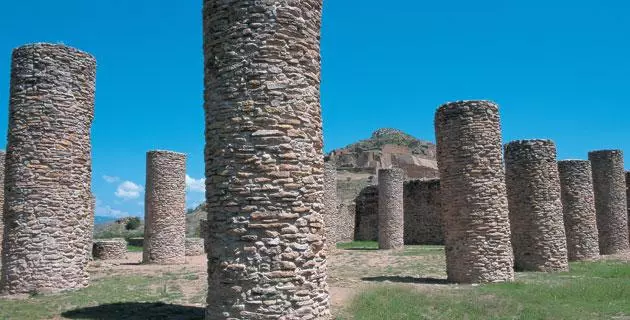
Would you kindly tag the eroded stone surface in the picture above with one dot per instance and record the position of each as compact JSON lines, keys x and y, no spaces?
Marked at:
{"x":2,"y":157}
{"x":165,"y":208}
{"x":423,"y":212}
{"x":264,"y":160}
{"x":194,"y":247}
{"x":578,"y":205}
{"x":390,"y":209}
{"x":331,"y":204}
{"x":111,"y":249}
{"x":536,"y":220}
{"x":48,"y":170}
{"x":609,"y":184}
{"x":472,"y":178}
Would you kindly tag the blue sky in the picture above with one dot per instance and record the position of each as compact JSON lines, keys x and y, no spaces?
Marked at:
{"x":559,"y":70}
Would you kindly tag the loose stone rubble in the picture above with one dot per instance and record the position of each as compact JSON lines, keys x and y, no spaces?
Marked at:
{"x":536,"y":221}
{"x":264,"y":160}
{"x":578,"y":203}
{"x":110,"y":249}
{"x":472,"y":178}
{"x":390,"y":209}
{"x":609,"y":184}
{"x":165,"y":208}
{"x":48,"y":170}
{"x":194,"y":247}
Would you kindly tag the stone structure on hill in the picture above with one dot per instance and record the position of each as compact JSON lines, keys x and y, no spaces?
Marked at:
{"x":536,"y":220}
{"x":48,"y":170}
{"x":165,"y":208}
{"x":390,"y":209}
{"x":264,"y":163}
{"x":578,"y":203}
{"x":472,"y":178}
{"x":609,"y":184}
{"x":111,"y":249}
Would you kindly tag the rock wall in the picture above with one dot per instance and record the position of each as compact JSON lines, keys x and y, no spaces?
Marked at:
{"x":609,"y":184}
{"x":536,"y":220}
{"x":578,"y":203}
{"x":366,"y":221}
{"x":472,"y":186}
{"x":113,"y":249}
{"x":165,"y":208}
{"x":390,"y":209}
{"x":48,"y":170}
{"x":331,"y":204}
{"x":2,"y":157}
{"x":264,"y":160}
{"x":423,"y":215}
{"x":194,"y":247}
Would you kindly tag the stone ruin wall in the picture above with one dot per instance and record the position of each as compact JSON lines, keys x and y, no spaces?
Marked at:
{"x":609,"y":185}
{"x":390,"y":209}
{"x":194,"y":247}
{"x":204,"y":233}
{"x":472,"y":178}
{"x":111,"y":249}
{"x":165,"y":208}
{"x":536,"y":219}
{"x":2,"y":157}
{"x":264,"y":160}
{"x":48,"y":170}
{"x":331,"y":205}
{"x":578,"y":203}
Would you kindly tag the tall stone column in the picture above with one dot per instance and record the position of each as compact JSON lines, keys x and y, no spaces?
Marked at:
{"x":472,"y":189}
{"x":391,"y":219}
{"x":2,"y":157}
{"x":331,"y":203}
{"x":533,"y":188}
{"x":48,"y":170}
{"x":264,"y":160}
{"x":165,"y":208}
{"x":578,"y":205}
{"x":609,"y":184}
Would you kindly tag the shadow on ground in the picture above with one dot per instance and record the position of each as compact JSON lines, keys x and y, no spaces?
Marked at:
{"x":407,"y":280}
{"x":136,"y":310}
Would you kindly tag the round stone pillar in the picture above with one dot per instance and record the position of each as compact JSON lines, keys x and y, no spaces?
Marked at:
{"x":391,"y":218}
{"x":609,"y":184}
{"x":533,"y":187}
{"x":578,"y":203}
{"x":331,"y":205}
{"x":472,"y":189}
{"x":48,"y":170}
{"x":165,"y":208}
{"x":264,"y":160}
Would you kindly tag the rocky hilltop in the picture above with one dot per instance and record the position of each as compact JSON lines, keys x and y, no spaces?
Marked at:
{"x":388,"y":148}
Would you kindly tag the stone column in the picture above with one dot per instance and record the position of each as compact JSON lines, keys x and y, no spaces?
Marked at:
{"x":48,"y":170}
{"x":472,"y":189}
{"x":609,"y":184}
{"x":391,"y":218}
{"x":2,"y":157}
{"x":331,"y":205}
{"x":264,"y":160}
{"x":578,"y":203}
{"x":165,"y":208}
{"x":533,"y":188}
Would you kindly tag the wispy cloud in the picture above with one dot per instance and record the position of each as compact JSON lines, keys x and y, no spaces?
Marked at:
{"x":195,"y":185}
{"x":111,"y":179}
{"x":107,"y":211}
{"x":128,"y":190}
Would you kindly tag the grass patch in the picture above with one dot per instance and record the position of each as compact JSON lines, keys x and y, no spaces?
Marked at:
{"x":358,"y":245}
{"x":131,"y":248}
{"x":591,"y":290}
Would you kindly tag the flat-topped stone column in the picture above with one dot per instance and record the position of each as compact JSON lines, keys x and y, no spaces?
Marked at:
{"x":472,"y":189}
{"x":331,"y":203}
{"x":578,"y":205}
{"x":609,"y":184}
{"x":536,"y":221}
{"x":264,"y":160}
{"x":165,"y":208}
{"x":48,"y":170}
{"x":391,"y":219}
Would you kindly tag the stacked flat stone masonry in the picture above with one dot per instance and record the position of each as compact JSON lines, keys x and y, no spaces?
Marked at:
{"x":536,"y":220}
{"x":366,"y":221}
{"x":204,"y":233}
{"x":112,"y":249}
{"x":48,"y":170}
{"x":609,"y":185}
{"x":578,"y":206}
{"x":264,"y":160}
{"x":165,"y":208}
{"x":423,"y":213}
{"x":194,"y":247}
{"x":390,"y":209}
{"x":472,"y":178}
{"x":331,"y":203}
{"x":2,"y":157}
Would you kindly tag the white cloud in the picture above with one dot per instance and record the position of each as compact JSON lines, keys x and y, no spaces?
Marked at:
{"x":195,"y":185}
{"x":111,"y":179}
{"x":107,"y":211}
{"x":128,"y":190}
